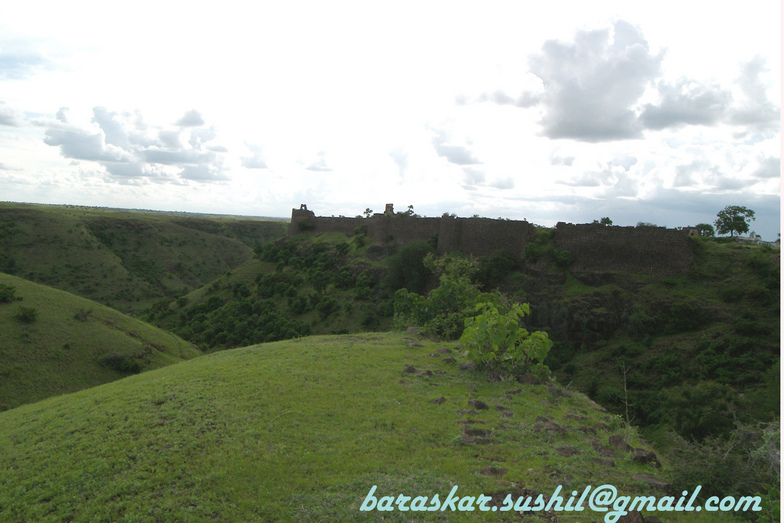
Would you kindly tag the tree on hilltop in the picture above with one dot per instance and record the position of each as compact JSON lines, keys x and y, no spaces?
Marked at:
{"x":732,"y":219}
{"x":705,"y":230}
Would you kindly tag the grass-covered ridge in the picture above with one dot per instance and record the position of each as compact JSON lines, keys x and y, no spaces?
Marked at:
{"x":299,"y":431}
{"x":126,"y":259}
{"x":66,"y":343}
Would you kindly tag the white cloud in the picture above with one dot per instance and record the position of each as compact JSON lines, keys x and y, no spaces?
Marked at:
{"x":8,"y":116}
{"x":401,"y":160}
{"x":686,"y":103}
{"x":320,"y":164}
{"x":191,"y":118}
{"x":456,"y":154}
{"x":256,"y":160}
{"x":592,"y":84}
{"x":755,"y":109}
{"x":21,"y":57}
{"x":127,"y":148}
{"x":768,"y":168}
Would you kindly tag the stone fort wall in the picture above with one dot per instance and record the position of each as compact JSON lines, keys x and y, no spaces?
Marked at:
{"x":648,"y":250}
{"x":593,"y":247}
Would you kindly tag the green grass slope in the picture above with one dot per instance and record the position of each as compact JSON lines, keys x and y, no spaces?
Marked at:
{"x":300,"y":431}
{"x":125,"y":259}
{"x":65,"y":348}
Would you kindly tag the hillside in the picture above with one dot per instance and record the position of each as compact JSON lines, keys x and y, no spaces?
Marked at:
{"x":125,"y":259}
{"x":300,"y":431}
{"x":328,"y":284}
{"x":64,"y":343}
{"x":700,"y":350}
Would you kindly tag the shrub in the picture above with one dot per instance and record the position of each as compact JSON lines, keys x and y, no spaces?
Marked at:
{"x":640,"y":325}
{"x":443,"y":311}
{"x":541,"y":246}
{"x":326,"y":306}
{"x":732,"y":295}
{"x":26,"y":314}
{"x":406,"y":268}
{"x":120,"y":363}
{"x":342,"y":248}
{"x":706,"y":409}
{"x":7,"y":293}
{"x":684,"y":316}
{"x":562,"y":259}
{"x":82,"y":314}
{"x":359,"y":241}
{"x":746,"y":463}
{"x":240,"y":289}
{"x":499,"y":341}
{"x":491,"y":270}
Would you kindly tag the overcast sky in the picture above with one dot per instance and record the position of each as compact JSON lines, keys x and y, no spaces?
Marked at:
{"x":661,"y":112}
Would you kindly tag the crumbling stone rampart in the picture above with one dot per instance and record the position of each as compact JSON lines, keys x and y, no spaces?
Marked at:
{"x":593,"y":247}
{"x":647,"y":250}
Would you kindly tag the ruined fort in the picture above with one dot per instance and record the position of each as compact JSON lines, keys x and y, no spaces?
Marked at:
{"x":593,"y":247}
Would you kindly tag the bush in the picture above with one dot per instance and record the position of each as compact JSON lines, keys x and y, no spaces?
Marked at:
{"x":746,"y":463}
{"x":326,"y":306}
{"x":699,"y":411}
{"x":359,"y":241}
{"x":684,"y":316}
{"x":120,"y":363}
{"x":443,"y":311}
{"x":406,"y":268}
{"x":640,"y":325}
{"x":26,"y":314}
{"x":491,"y":270}
{"x":499,"y":341}
{"x":562,"y":259}
{"x":732,"y":295}
{"x":7,"y":293}
{"x":82,"y":314}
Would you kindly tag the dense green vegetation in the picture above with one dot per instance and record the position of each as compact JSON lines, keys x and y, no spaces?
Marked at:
{"x":295,"y":287}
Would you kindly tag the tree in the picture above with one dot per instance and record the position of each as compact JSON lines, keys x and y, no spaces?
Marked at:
{"x":705,"y":230}
{"x":406,"y":268}
{"x":604,"y":221}
{"x":732,"y":219}
{"x":368,"y":212}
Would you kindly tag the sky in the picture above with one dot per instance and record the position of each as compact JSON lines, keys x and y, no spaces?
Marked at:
{"x":661,"y":112}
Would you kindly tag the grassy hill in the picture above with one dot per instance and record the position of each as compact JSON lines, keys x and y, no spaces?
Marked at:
{"x":62,"y":343}
{"x":300,"y":431}
{"x":125,"y":259}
